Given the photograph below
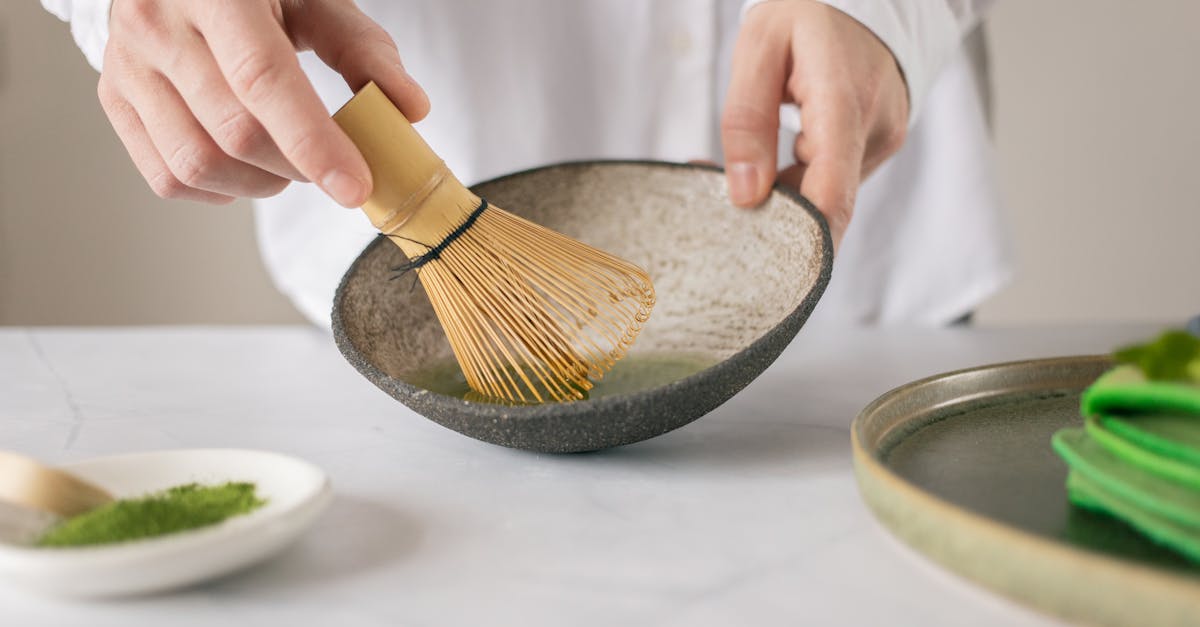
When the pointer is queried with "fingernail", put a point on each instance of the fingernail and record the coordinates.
(348, 191)
(743, 183)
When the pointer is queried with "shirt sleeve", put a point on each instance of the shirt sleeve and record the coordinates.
(923, 35)
(89, 25)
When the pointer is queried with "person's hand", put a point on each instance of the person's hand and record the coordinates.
(850, 91)
(210, 101)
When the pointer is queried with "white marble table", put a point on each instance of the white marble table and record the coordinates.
(748, 516)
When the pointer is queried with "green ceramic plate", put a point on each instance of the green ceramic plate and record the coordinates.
(960, 467)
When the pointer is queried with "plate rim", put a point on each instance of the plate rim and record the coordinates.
(283, 527)
(1091, 586)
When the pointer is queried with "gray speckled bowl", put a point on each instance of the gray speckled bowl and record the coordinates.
(734, 286)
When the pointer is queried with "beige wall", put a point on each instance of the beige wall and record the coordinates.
(1098, 130)
(1098, 126)
(82, 239)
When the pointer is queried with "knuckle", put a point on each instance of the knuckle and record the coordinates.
(742, 117)
(372, 34)
(192, 164)
(843, 209)
(868, 96)
(176, 60)
(299, 149)
(133, 19)
(119, 113)
(760, 19)
(857, 141)
(240, 136)
(106, 93)
(385, 42)
(844, 213)
(255, 75)
(894, 137)
(859, 104)
(852, 100)
(370, 38)
(838, 217)
(836, 203)
(119, 60)
(165, 185)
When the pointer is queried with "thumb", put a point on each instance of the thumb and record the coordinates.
(750, 121)
(357, 48)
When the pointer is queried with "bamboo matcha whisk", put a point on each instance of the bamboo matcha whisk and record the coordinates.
(532, 315)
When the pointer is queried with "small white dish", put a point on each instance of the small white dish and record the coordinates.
(295, 490)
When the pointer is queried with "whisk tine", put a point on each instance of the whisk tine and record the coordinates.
(522, 329)
(510, 327)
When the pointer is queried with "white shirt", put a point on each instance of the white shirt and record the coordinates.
(521, 83)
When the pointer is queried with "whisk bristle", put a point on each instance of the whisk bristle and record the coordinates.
(533, 315)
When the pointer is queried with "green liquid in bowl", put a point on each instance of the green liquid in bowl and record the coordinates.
(632, 374)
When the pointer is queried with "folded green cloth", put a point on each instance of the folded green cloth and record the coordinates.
(1137, 456)
(1125, 390)
(1132, 485)
(1147, 443)
(1088, 494)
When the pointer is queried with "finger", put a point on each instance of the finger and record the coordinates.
(260, 65)
(360, 50)
(750, 121)
(832, 145)
(191, 154)
(145, 157)
(793, 177)
(885, 141)
(199, 81)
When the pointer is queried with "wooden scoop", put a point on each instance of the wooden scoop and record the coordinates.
(27, 483)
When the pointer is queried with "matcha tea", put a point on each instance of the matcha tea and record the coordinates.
(632, 374)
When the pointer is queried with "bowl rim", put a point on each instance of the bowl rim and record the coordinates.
(551, 410)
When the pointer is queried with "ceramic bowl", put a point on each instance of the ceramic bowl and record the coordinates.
(733, 287)
(295, 490)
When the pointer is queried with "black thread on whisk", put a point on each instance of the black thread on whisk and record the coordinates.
(434, 252)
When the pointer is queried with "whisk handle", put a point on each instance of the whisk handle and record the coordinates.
(405, 170)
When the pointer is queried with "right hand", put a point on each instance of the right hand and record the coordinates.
(849, 88)
(210, 101)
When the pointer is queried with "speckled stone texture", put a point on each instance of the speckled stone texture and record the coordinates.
(733, 285)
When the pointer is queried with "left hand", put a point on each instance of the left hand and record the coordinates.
(850, 91)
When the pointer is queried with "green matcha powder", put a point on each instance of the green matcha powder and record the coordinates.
(173, 510)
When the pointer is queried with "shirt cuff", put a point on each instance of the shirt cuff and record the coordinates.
(89, 25)
(922, 36)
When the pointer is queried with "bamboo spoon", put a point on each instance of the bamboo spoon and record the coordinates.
(29, 484)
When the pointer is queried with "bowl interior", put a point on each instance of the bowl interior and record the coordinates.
(723, 276)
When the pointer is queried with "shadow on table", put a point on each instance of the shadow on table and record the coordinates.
(354, 536)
